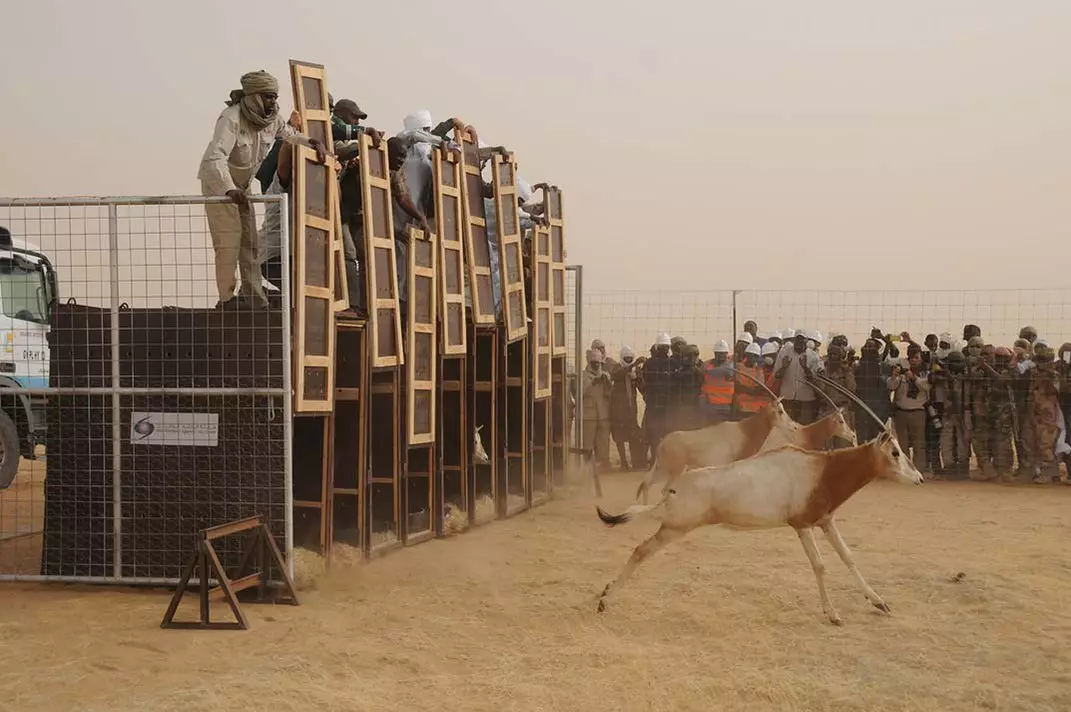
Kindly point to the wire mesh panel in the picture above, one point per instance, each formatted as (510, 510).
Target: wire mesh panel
(382, 272)
(421, 340)
(142, 410)
(449, 224)
(478, 254)
(511, 259)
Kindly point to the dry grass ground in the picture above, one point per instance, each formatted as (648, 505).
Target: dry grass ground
(502, 618)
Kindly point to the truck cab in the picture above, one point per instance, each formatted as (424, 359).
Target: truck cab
(28, 288)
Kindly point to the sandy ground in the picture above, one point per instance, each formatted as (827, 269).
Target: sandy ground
(502, 618)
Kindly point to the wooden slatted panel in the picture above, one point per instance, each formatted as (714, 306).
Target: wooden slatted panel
(381, 272)
(451, 229)
(477, 254)
(510, 258)
(421, 365)
(553, 210)
(315, 193)
(542, 312)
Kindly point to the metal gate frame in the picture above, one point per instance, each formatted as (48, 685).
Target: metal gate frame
(117, 392)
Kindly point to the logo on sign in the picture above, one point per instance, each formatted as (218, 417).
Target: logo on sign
(144, 427)
(183, 429)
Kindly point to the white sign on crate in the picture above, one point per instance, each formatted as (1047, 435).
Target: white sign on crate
(187, 429)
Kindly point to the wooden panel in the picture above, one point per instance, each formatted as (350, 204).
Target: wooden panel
(510, 259)
(317, 249)
(449, 213)
(553, 209)
(421, 366)
(542, 313)
(478, 260)
(381, 273)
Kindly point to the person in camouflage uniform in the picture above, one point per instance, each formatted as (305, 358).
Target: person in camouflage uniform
(1045, 382)
(955, 445)
(980, 379)
(1025, 450)
(1000, 409)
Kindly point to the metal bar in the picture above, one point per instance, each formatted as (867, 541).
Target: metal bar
(117, 455)
(131, 200)
(288, 400)
(580, 361)
(124, 391)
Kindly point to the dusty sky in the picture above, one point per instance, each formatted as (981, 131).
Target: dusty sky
(702, 145)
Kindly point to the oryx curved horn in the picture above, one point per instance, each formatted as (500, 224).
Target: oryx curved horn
(757, 382)
(856, 399)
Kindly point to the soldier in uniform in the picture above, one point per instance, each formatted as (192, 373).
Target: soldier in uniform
(657, 386)
(1045, 382)
(980, 380)
(955, 447)
(1025, 442)
(1001, 410)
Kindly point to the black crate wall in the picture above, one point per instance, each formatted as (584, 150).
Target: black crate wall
(168, 492)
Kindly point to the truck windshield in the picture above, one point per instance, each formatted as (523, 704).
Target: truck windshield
(23, 290)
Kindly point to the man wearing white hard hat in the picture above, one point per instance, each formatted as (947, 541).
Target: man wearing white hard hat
(742, 342)
(749, 397)
(624, 427)
(769, 360)
(717, 402)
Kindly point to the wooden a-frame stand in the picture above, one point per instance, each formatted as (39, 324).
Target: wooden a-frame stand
(205, 560)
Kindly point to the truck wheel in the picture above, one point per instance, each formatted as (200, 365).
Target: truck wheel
(9, 444)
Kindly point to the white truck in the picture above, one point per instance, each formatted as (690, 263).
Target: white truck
(28, 288)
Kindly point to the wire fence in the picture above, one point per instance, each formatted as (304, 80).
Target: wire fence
(635, 318)
(133, 411)
(961, 418)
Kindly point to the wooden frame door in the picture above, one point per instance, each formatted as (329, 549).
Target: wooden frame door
(449, 222)
(510, 257)
(542, 313)
(421, 344)
(552, 209)
(381, 271)
(315, 192)
(477, 253)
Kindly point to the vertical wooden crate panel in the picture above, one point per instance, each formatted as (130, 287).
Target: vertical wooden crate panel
(478, 256)
(421, 341)
(450, 226)
(542, 313)
(510, 258)
(315, 193)
(381, 272)
(552, 202)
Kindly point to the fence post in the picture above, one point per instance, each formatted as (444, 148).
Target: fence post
(117, 438)
(288, 399)
(736, 331)
(580, 360)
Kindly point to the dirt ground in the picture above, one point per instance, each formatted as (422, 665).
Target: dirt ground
(503, 618)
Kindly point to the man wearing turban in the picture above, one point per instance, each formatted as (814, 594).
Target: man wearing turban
(245, 132)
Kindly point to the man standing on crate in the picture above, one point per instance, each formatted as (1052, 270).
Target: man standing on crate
(245, 132)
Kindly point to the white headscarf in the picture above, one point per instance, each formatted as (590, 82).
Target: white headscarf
(419, 119)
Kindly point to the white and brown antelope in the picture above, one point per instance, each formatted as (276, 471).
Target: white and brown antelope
(784, 487)
(727, 442)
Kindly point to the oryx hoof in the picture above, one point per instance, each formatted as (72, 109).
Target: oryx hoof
(881, 606)
(836, 620)
(601, 607)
